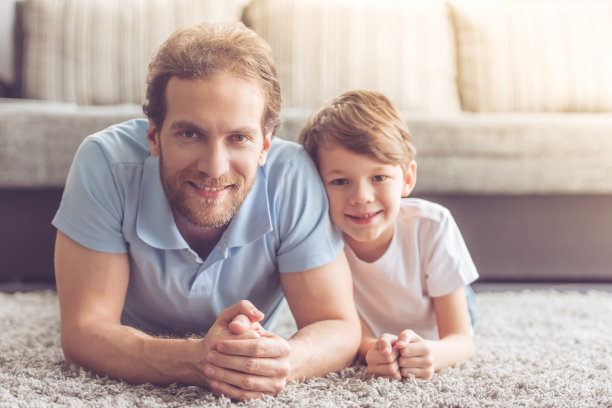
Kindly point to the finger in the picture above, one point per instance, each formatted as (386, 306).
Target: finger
(263, 347)
(220, 388)
(242, 307)
(374, 356)
(406, 337)
(267, 367)
(385, 343)
(422, 373)
(244, 381)
(417, 349)
(241, 324)
(390, 370)
(416, 362)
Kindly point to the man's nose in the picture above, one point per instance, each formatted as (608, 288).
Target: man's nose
(214, 159)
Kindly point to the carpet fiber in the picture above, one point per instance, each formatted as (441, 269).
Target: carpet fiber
(538, 348)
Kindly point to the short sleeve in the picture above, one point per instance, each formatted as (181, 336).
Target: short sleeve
(308, 239)
(91, 209)
(447, 262)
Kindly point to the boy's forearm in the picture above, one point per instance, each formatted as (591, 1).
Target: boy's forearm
(451, 350)
(367, 342)
(323, 347)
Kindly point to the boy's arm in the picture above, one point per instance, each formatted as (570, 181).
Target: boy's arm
(368, 340)
(454, 328)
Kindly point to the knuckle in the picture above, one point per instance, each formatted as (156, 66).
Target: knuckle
(284, 370)
(279, 385)
(251, 366)
(248, 383)
(244, 304)
(258, 349)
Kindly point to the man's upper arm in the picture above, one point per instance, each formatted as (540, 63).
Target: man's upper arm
(321, 293)
(91, 285)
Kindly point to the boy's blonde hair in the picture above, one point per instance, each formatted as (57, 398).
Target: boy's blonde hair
(363, 122)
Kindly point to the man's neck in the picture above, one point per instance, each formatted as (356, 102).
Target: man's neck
(202, 240)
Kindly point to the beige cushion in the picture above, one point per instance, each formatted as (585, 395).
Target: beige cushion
(529, 56)
(97, 52)
(403, 48)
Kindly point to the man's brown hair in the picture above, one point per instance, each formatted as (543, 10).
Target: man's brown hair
(201, 51)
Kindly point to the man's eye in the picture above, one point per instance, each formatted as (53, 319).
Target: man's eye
(189, 134)
(338, 182)
(379, 178)
(239, 138)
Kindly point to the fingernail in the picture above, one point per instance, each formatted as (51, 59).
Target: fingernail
(208, 370)
(220, 348)
(212, 356)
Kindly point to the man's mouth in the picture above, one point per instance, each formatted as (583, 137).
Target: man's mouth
(208, 188)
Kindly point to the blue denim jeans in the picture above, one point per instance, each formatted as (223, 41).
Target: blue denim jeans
(471, 303)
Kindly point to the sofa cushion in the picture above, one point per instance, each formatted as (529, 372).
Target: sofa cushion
(503, 153)
(403, 48)
(38, 139)
(97, 52)
(530, 56)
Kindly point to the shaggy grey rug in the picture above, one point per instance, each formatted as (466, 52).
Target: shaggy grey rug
(534, 349)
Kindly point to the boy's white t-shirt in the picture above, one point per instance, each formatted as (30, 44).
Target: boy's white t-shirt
(427, 258)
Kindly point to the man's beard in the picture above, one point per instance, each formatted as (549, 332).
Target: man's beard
(201, 211)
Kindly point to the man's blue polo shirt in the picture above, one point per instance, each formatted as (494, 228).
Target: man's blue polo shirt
(114, 202)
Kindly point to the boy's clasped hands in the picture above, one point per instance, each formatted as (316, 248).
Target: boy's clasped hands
(398, 357)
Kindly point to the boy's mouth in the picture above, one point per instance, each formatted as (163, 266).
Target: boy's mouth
(363, 218)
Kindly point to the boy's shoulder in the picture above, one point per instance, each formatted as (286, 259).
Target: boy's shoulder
(418, 208)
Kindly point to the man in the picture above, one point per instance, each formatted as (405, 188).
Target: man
(196, 222)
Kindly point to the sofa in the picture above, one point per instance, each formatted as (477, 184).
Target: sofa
(509, 103)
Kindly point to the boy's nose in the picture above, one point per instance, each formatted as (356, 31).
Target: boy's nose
(214, 160)
(362, 193)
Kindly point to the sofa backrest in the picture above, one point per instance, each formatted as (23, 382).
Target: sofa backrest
(439, 56)
(96, 52)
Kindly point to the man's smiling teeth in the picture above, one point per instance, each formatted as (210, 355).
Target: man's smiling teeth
(209, 188)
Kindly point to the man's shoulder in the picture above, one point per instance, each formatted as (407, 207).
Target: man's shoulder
(283, 150)
(122, 143)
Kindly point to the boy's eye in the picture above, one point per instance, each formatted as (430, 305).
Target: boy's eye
(338, 182)
(379, 178)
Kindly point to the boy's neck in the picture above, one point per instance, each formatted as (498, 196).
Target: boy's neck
(370, 251)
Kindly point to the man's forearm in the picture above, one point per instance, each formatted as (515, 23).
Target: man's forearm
(131, 355)
(323, 347)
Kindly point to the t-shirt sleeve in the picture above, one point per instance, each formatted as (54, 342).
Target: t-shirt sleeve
(308, 239)
(447, 261)
(91, 210)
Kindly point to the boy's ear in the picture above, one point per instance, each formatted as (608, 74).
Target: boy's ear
(409, 179)
(153, 139)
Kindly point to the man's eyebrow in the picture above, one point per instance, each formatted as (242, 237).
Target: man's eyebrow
(184, 124)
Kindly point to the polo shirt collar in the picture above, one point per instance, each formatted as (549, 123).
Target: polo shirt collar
(155, 223)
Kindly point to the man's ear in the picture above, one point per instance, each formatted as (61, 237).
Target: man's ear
(266, 148)
(153, 139)
(409, 179)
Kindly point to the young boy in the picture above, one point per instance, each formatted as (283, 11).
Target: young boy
(409, 262)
